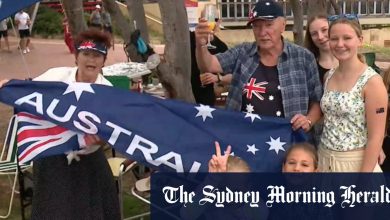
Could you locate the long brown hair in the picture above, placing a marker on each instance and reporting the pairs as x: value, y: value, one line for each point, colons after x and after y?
x: 308, y: 43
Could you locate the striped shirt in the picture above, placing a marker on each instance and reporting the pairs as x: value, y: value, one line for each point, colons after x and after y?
x: 298, y: 76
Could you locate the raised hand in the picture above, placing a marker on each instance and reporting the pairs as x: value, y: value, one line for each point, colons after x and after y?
x: 3, y: 81
x: 218, y: 162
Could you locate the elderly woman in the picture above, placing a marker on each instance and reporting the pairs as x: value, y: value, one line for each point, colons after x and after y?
x: 82, y: 188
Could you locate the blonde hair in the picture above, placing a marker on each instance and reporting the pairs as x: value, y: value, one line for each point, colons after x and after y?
x: 236, y: 164
x: 355, y: 25
x: 308, y: 148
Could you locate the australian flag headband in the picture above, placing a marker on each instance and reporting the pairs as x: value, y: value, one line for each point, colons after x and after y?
x: 90, y: 45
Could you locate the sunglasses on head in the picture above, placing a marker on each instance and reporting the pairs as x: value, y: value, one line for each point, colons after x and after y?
x: 352, y: 17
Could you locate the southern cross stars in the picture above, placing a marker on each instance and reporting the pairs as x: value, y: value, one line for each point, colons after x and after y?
x: 78, y: 88
x: 276, y: 145
x: 250, y: 108
x: 204, y: 111
x: 252, y: 148
x: 252, y: 116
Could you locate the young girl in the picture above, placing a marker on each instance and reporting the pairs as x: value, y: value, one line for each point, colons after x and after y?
x: 317, y: 41
x: 354, y: 104
x: 300, y: 158
x: 226, y: 163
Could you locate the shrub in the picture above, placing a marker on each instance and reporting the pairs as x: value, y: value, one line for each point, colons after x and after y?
x: 48, y: 22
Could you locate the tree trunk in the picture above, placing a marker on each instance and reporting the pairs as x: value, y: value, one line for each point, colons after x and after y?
x: 336, y: 7
x: 175, y: 70
x: 118, y: 19
x: 298, y: 21
x: 131, y: 49
x: 137, y: 14
x: 75, y: 13
x: 316, y: 7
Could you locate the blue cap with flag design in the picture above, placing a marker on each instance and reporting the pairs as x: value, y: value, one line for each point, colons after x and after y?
x: 265, y: 10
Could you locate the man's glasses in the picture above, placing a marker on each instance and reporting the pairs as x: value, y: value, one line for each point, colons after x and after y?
x: 352, y: 17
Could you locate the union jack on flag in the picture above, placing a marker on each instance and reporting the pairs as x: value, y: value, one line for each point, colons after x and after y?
x: 36, y: 135
x: 253, y: 88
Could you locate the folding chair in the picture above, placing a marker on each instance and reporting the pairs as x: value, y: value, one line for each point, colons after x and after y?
x: 137, y: 195
x: 370, y: 60
x: 8, y: 160
x: 120, y: 166
x: 138, y: 190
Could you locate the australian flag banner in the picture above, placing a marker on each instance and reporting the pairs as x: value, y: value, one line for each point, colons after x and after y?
x: 10, y: 7
x: 167, y: 135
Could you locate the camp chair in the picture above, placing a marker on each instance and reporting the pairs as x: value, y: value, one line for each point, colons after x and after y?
x: 141, y: 191
x: 370, y: 60
x: 119, y: 166
x: 138, y: 193
x: 9, y: 164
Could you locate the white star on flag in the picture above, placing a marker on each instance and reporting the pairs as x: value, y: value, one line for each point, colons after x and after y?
x: 278, y: 113
x: 271, y: 97
x: 276, y: 145
x: 250, y: 108
x: 78, y: 88
x: 252, y: 148
x: 252, y: 116
x: 204, y: 111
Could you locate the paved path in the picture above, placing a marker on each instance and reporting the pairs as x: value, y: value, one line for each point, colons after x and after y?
x: 44, y: 54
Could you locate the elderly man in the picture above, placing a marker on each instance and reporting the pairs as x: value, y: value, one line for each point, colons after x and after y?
x: 271, y: 76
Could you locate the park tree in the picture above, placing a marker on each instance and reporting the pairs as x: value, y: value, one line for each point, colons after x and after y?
x: 75, y: 14
x: 175, y: 70
x: 314, y: 7
x: 137, y: 15
x: 125, y: 28
x: 296, y: 7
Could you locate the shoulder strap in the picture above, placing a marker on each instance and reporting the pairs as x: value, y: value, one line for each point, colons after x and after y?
x: 329, y: 75
x: 363, y: 79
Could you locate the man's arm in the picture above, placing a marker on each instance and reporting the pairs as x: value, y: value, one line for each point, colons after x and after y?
x: 314, y: 89
x: 306, y: 122
x: 206, y: 61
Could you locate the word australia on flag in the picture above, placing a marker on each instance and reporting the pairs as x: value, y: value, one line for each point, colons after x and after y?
x: 165, y: 134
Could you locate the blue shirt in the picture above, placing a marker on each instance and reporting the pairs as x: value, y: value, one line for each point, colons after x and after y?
x: 298, y: 76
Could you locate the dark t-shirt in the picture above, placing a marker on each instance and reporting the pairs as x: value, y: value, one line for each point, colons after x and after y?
x: 322, y: 71
x: 262, y: 95
x: 204, y: 95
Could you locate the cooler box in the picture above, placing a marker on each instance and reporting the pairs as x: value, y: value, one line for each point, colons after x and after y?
x: 122, y: 82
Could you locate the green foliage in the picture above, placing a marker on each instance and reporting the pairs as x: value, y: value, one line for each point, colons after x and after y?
x: 48, y: 22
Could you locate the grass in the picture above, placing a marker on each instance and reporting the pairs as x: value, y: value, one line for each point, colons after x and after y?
x: 131, y: 205
x: 382, y: 53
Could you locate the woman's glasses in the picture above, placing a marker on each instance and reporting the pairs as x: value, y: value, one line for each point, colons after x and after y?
x: 352, y: 17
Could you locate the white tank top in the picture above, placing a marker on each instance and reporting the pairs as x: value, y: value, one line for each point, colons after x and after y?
x: 345, y: 126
